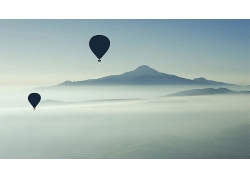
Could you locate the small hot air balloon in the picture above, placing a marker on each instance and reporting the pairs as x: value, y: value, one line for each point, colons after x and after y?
x: 99, y: 45
x: 34, y: 99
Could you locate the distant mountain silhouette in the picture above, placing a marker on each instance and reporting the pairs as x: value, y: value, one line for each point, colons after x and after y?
x: 207, y: 82
x: 55, y: 102
x: 143, y: 75
x: 50, y: 101
x: 207, y: 91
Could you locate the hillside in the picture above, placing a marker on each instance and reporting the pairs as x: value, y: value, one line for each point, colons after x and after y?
x: 143, y: 75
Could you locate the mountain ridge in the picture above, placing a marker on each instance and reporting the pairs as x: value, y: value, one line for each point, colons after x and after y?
x: 207, y: 91
x: 192, y: 92
x: 143, y: 75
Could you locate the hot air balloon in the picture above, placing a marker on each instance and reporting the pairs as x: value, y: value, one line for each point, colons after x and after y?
x: 99, y: 45
x: 34, y: 99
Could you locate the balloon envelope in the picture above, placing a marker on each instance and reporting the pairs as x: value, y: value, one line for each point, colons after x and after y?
x: 99, y: 45
x: 34, y: 99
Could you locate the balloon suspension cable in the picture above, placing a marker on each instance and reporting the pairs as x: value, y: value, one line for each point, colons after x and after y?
x: 99, y: 60
x: 34, y: 108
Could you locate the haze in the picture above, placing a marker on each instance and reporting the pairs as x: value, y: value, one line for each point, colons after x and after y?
x: 124, y: 122
x: 130, y: 115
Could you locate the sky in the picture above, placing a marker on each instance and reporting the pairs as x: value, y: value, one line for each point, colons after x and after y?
x: 48, y: 52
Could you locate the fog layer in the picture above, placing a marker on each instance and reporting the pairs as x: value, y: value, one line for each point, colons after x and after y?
x: 140, y: 124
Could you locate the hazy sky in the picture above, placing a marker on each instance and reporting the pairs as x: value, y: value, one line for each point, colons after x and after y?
x: 48, y: 52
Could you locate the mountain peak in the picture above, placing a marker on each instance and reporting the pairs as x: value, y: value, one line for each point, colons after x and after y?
x: 66, y: 83
x: 144, y: 75
x: 145, y: 68
x: 200, y: 79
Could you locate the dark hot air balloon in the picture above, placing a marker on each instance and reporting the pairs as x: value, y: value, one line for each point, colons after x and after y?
x: 34, y: 99
x: 99, y: 45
